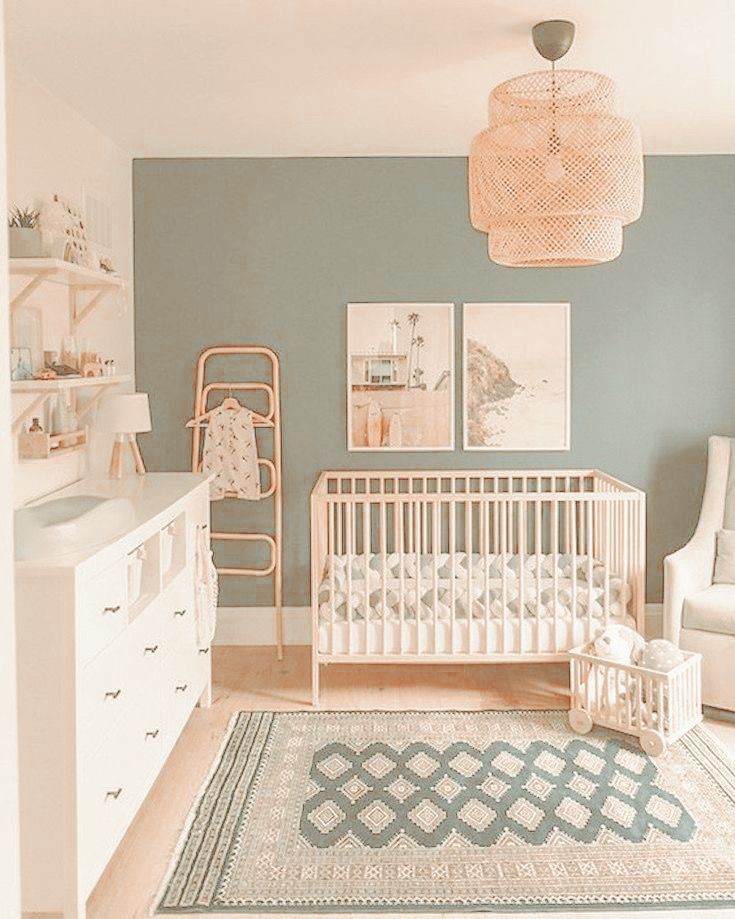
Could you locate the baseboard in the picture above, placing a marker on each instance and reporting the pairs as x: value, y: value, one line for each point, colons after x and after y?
x: 255, y: 625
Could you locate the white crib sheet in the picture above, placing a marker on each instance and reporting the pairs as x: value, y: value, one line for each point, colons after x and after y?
x: 470, y: 581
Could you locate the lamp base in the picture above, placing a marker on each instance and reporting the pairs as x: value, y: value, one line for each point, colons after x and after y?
x: 116, y: 459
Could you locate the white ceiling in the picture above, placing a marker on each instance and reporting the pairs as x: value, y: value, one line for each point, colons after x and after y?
x: 363, y: 77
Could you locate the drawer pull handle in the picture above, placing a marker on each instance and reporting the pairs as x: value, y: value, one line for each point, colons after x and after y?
x: 179, y: 612
x: 152, y: 734
x: 182, y: 688
x: 112, y: 694
x: 114, y: 794
x: 150, y: 649
x: 111, y: 609
x: 204, y: 650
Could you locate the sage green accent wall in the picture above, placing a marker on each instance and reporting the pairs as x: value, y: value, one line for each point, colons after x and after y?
x: 270, y: 251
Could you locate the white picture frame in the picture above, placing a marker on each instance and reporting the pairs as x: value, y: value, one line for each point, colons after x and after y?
x: 532, y: 342
x: 400, y: 377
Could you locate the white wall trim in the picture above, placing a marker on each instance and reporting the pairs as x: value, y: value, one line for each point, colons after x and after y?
x: 254, y: 625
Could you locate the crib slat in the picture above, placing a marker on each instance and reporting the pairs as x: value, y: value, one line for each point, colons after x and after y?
x: 574, y: 613
x: 366, y: 547
x: 453, y: 567
x: 590, y: 570
x: 486, y: 556
x: 331, y: 555
x: 349, y: 514
x: 417, y: 552
x: 504, y: 521
x: 436, y: 549
x: 522, y: 514
x: 384, y: 573
x: 555, y: 563
x: 468, y: 550
x: 537, y: 544
x: 401, y: 578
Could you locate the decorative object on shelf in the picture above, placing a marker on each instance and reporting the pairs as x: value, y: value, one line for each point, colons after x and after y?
x: 24, y: 236
x: 125, y: 415
x: 93, y: 369
x: 77, y: 248
x: 515, y: 388
x: 45, y: 373
x: 557, y: 174
x: 400, y: 368
x: 53, y: 220
x: 40, y: 445
x: 69, y: 352
x: 20, y: 364
x: 108, y: 368
x: 26, y: 333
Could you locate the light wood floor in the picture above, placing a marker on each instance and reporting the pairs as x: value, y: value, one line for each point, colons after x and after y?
x: 252, y: 678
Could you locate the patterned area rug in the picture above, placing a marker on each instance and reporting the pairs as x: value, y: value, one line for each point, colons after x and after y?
x: 450, y: 811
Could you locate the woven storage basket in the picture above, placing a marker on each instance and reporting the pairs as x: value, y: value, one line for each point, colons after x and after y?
x: 557, y: 175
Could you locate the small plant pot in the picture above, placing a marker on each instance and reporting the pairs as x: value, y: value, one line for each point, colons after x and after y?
x: 24, y: 242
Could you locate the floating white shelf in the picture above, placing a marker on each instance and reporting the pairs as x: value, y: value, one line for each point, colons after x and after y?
x: 57, y: 271
x: 44, y: 389
x: 52, y: 386
x: 39, y: 271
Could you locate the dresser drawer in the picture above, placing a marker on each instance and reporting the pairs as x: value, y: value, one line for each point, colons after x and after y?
x: 107, y: 688
x: 178, y: 610
x: 101, y: 611
x: 113, y: 783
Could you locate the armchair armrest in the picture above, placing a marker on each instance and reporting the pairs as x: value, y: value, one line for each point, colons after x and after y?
x: 686, y: 572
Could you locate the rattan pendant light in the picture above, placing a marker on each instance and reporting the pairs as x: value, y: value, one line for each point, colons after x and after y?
x: 557, y: 174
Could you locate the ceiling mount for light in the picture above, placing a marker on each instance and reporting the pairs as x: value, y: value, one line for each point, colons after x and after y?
x: 553, y: 38
x: 557, y: 174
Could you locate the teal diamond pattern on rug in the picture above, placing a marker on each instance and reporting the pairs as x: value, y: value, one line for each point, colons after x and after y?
x: 380, y: 796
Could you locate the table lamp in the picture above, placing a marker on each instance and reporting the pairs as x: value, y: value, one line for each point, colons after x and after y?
x: 125, y: 415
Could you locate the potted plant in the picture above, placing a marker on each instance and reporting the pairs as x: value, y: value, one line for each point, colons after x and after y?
x: 24, y: 237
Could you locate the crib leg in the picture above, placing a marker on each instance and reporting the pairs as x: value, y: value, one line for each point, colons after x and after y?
x: 314, y: 678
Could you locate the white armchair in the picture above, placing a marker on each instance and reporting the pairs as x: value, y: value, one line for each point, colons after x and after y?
x: 699, y: 615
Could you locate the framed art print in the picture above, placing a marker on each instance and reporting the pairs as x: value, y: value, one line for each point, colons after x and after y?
x: 400, y: 376
x: 516, y: 379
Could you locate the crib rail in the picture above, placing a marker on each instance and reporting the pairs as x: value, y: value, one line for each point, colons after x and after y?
x: 478, y: 565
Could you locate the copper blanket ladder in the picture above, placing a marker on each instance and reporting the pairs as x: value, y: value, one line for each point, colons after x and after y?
x: 271, y: 418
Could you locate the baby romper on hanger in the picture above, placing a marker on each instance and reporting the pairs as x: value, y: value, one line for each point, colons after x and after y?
x: 231, y: 454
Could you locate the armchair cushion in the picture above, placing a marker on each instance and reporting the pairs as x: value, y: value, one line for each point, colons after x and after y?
x: 711, y: 610
x: 725, y: 558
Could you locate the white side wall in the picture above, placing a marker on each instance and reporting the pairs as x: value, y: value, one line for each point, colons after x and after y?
x: 9, y: 837
x: 53, y: 149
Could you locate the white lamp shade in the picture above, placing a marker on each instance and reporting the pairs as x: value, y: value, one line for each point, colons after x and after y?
x: 127, y: 413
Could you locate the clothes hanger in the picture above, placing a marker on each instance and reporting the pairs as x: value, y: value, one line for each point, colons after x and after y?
x: 229, y: 403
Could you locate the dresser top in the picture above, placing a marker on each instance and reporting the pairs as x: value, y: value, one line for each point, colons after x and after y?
x: 154, y: 497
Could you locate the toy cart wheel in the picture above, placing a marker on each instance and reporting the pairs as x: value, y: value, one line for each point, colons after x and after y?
x: 652, y: 743
x: 579, y: 721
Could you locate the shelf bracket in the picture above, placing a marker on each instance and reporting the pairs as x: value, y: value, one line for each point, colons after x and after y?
x: 25, y: 292
x: 86, y: 409
x: 79, y: 317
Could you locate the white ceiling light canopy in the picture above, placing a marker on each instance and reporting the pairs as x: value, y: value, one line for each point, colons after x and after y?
x: 557, y: 174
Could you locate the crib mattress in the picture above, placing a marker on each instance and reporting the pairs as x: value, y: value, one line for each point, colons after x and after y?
x: 475, y: 582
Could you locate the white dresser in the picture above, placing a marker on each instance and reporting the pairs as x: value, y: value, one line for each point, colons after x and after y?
x: 109, y: 670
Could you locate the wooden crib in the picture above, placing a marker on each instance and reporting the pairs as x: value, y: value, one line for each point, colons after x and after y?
x: 471, y: 566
